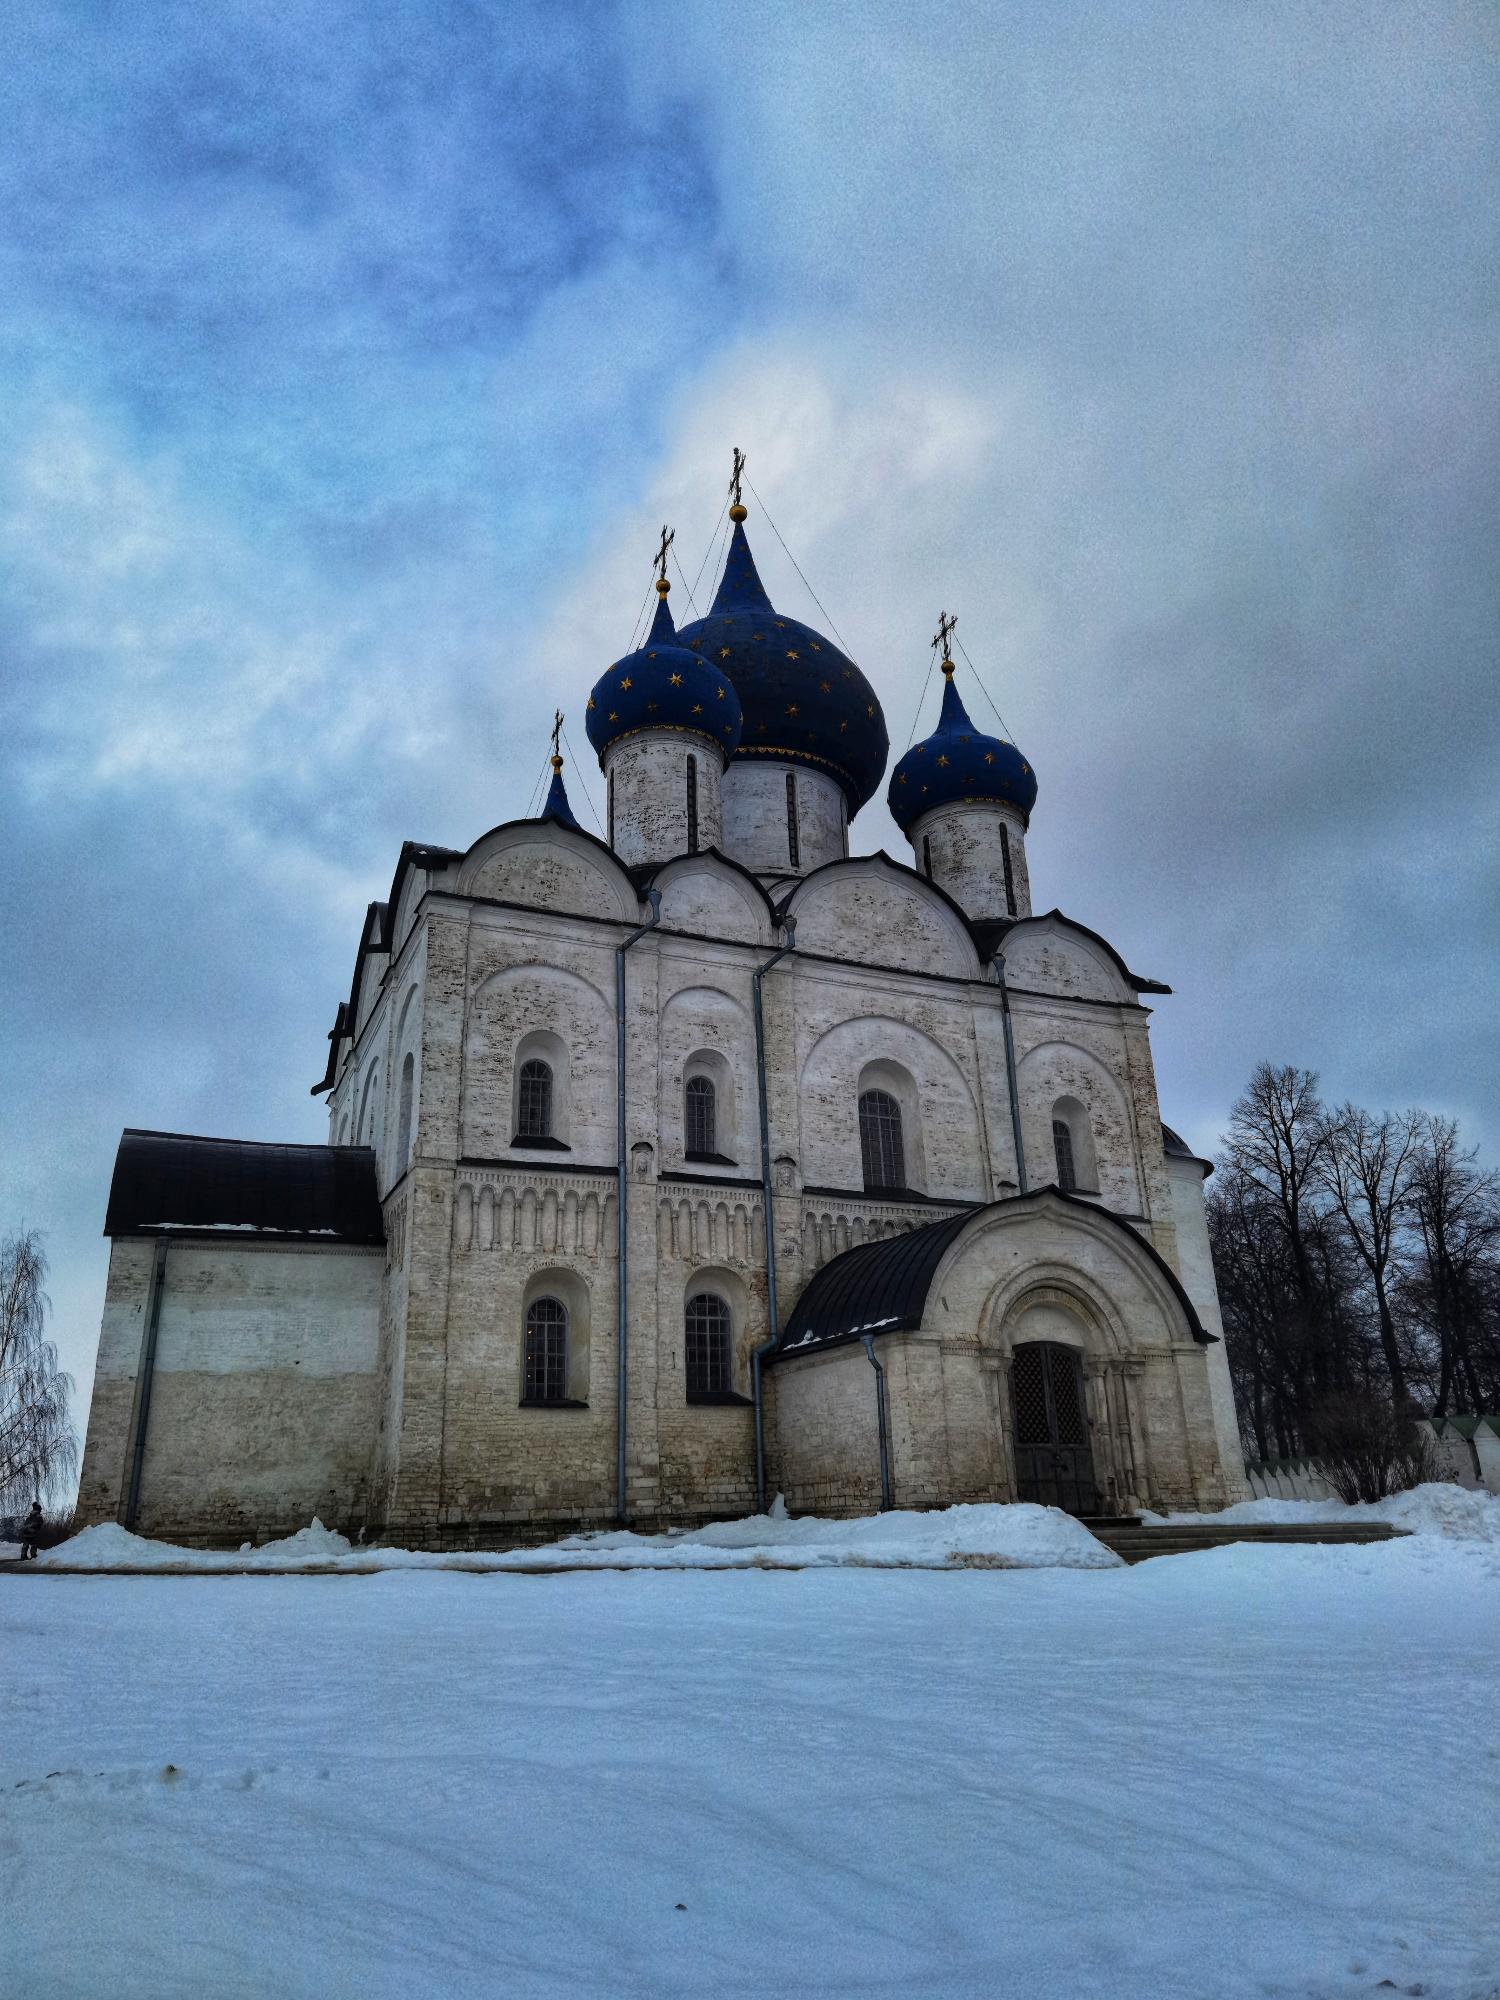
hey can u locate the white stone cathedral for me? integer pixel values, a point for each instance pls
(669, 1172)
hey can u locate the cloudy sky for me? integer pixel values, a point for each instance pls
(351, 356)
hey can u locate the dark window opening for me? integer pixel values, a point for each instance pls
(793, 843)
(701, 1120)
(1010, 880)
(546, 1352)
(611, 808)
(880, 1149)
(692, 804)
(1062, 1146)
(707, 1330)
(534, 1101)
(927, 857)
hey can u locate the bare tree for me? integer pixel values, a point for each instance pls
(38, 1451)
(1367, 1166)
(1457, 1210)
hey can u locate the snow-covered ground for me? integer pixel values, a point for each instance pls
(1260, 1771)
(1440, 1508)
(1020, 1536)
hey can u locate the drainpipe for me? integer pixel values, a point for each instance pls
(789, 927)
(1010, 1075)
(147, 1375)
(886, 1503)
(653, 897)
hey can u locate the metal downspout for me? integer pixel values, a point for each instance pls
(1010, 1076)
(773, 1321)
(653, 897)
(147, 1376)
(886, 1503)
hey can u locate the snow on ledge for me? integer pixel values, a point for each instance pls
(1018, 1536)
(1460, 1513)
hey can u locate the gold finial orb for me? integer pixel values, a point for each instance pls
(662, 586)
(947, 668)
(739, 511)
(556, 761)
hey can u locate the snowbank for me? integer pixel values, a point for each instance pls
(1020, 1536)
(1459, 1512)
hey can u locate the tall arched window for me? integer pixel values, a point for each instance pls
(1073, 1146)
(927, 856)
(692, 804)
(1062, 1146)
(546, 1379)
(793, 834)
(707, 1325)
(1010, 880)
(403, 1129)
(364, 1131)
(534, 1101)
(880, 1148)
(700, 1120)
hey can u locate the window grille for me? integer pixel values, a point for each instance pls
(707, 1329)
(1010, 880)
(701, 1121)
(1062, 1146)
(546, 1352)
(692, 804)
(793, 844)
(880, 1149)
(534, 1104)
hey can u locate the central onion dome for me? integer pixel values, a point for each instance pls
(804, 701)
(663, 686)
(958, 762)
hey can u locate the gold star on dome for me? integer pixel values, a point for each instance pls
(902, 779)
(921, 749)
(650, 708)
(825, 687)
(614, 715)
(842, 727)
(760, 729)
(780, 624)
(816, 647)
(651, 656)
(869, 710)
(757, 635)
(722, 693)
(793, 656)
(677, 680)
(989, 756)
(1026, 770)
(626, 685)
(942, 760)
(697, 708)
(591, 701)
(792, 709)
(723, 652)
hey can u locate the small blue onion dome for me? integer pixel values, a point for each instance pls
(557, 806)
(805, 701)
(957, 761)
(664, 686)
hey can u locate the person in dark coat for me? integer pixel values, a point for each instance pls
(31, 1532)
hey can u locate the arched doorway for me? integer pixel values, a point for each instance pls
(1054, 1459)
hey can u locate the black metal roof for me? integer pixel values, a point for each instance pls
(172, 1180)
(882, 1287)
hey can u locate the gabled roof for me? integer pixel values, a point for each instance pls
(996, 930)
(882, 1287)
(169, 1181)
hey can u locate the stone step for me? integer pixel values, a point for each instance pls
(1139, 1544)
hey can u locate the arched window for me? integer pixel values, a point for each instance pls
(707, 1326)
(546, 1378)
(1073, 1146)
(880, 1149)
(534, 1101)
(793, 839)
(611, 787)
(927, 856)
(699, 1119)
(1062, 1146)
(403, 1130)
(364, 1131)
(692, 804)
(1010, 880)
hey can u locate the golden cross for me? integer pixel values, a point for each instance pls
(944, 633)
(668, 536)
(735, 477)
(556, 732)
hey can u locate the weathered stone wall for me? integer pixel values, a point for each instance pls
(646, 779)
(1195, 1267)
(263, 1406)
(964, 845)
(756, 828)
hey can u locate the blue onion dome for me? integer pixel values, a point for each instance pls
(557, 806)
(664, 686)
(805, 701)
(958, 761)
